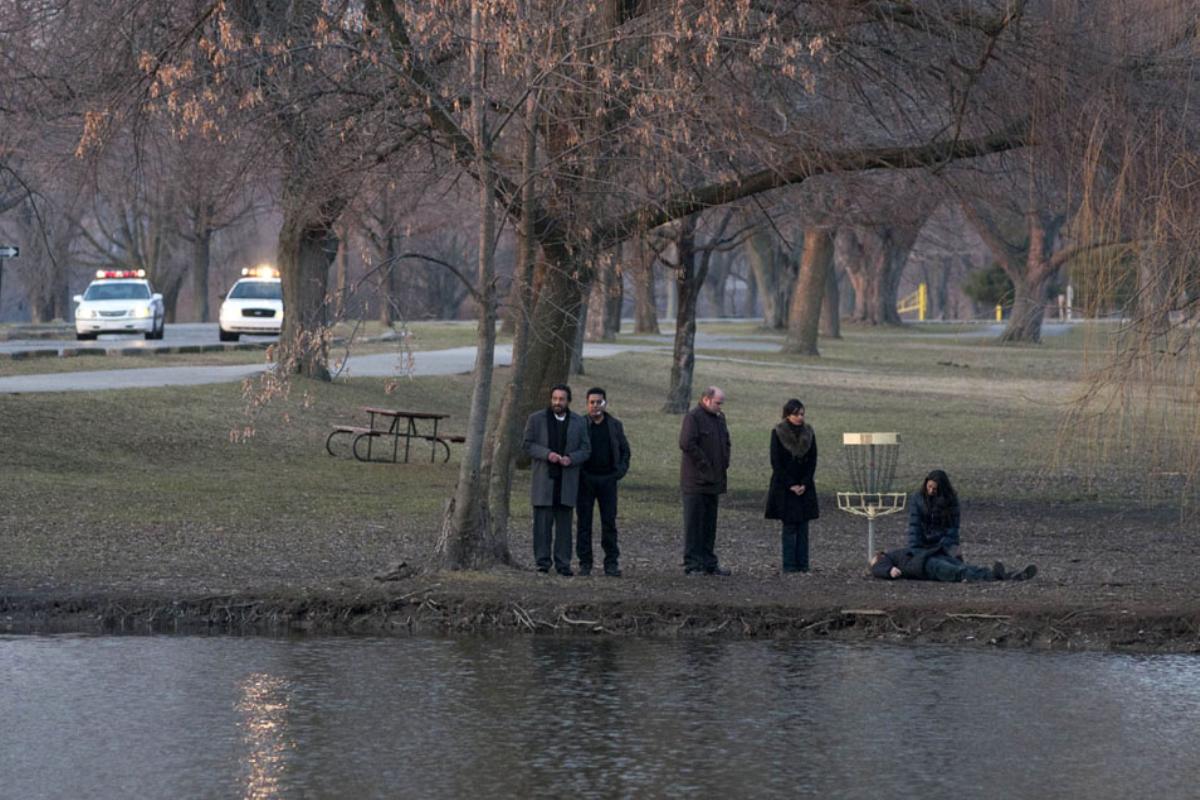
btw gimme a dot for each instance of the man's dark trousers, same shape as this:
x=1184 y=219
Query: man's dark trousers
x=944 y=568
x=552 y=522
x=700 y=532
x=602 y=492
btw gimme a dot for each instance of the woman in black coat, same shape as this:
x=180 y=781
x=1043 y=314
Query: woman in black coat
x=933 y=515
x=792 y=498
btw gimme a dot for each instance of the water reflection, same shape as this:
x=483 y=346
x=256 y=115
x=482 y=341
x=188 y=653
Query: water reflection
x=264 y=706
x=547 y=717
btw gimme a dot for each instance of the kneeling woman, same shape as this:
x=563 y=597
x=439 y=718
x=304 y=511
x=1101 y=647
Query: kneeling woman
x=933 y=515
x=792 y=498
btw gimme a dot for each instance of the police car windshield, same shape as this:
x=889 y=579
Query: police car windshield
x=117 y=291
x=256 y=290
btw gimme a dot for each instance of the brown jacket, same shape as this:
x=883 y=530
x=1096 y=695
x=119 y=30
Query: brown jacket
x=704 y=440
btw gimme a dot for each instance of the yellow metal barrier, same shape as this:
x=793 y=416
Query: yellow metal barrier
x=918 y=301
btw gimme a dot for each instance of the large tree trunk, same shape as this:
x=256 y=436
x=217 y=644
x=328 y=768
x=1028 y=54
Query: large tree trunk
x=1029 y=302
x=389 y=300
x=1029 y=266
x=170 y=289
x=1153 y=301
x=576 y=367
x=41 y=309
x=773 y=276
x=716 y=285
x=306 y=250
x=751 y=295
x=42 y=268
x=342 y=259
x=898 y=245
x=688 y=281
x=552 y=328
x=645 y=305
x=201 y=258
x=831 y=306
x=672 y=297
x=805 y=313
x=938 y=285
x=605 y=299
x=874 y=260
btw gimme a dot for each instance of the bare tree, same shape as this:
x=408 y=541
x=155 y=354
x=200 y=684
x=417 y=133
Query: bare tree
x=692 y=260
x=809 y=294
x=217 y=198
x=606 y=298
x=774 y=274
x=642 y=257
x=468 y=539
x=831 y=303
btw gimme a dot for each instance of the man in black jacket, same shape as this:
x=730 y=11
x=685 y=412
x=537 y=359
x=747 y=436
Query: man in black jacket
x=704 y=440
x=607 y=464
x=934 y=564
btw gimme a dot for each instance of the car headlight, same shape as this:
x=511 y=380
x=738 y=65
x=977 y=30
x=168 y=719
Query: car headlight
x=84 y=313
x=143 y=311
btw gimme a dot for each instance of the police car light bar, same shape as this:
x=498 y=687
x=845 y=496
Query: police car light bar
x=120 y=273
x=261 y=271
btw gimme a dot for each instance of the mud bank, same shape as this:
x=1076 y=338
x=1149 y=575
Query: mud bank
x=439 y=605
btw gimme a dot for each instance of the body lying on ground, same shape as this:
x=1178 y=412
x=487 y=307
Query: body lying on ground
x=935 y=564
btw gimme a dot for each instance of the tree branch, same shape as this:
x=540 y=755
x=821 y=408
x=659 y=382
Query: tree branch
x=804 y=166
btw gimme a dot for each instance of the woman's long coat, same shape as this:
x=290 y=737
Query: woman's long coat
x=787 y=471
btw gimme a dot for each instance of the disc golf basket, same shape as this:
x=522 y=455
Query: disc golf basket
x=872 y=459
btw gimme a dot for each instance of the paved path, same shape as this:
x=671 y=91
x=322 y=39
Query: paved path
x=454 y=361
x=433 y=362
x=175 y=335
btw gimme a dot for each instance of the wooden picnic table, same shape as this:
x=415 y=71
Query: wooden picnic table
x=398 y=425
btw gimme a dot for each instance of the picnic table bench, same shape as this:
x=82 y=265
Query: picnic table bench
x=398 y=426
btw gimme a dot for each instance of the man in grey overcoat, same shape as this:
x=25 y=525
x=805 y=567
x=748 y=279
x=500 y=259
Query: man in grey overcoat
x=557 y=441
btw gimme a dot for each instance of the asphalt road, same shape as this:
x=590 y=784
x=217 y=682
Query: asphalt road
x=433 y=362
x=174 y=335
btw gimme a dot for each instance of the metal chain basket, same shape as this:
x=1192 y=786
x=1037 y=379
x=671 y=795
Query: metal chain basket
x=871 y=459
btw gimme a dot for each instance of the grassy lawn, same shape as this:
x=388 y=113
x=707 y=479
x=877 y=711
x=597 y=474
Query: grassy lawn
x=985 y=413
x=128 y=359
x=176 y=475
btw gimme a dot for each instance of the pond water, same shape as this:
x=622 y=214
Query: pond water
x=518 y=716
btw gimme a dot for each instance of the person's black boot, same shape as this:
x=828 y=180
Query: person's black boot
x=998 y=571
x=1025 y=574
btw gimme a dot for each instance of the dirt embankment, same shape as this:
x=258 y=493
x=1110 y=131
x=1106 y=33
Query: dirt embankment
x=829 y=607
x=1107 y=580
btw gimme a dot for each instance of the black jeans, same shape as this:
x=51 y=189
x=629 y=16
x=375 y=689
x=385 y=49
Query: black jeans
x=552 y=522
x=951 y=570
x=700 y=532
x=602 y=492
x=795 y=546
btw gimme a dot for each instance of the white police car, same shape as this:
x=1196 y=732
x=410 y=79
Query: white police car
x=253 y=306
x=119 y=301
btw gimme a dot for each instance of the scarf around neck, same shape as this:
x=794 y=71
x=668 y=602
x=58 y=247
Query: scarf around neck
x=796 y=441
